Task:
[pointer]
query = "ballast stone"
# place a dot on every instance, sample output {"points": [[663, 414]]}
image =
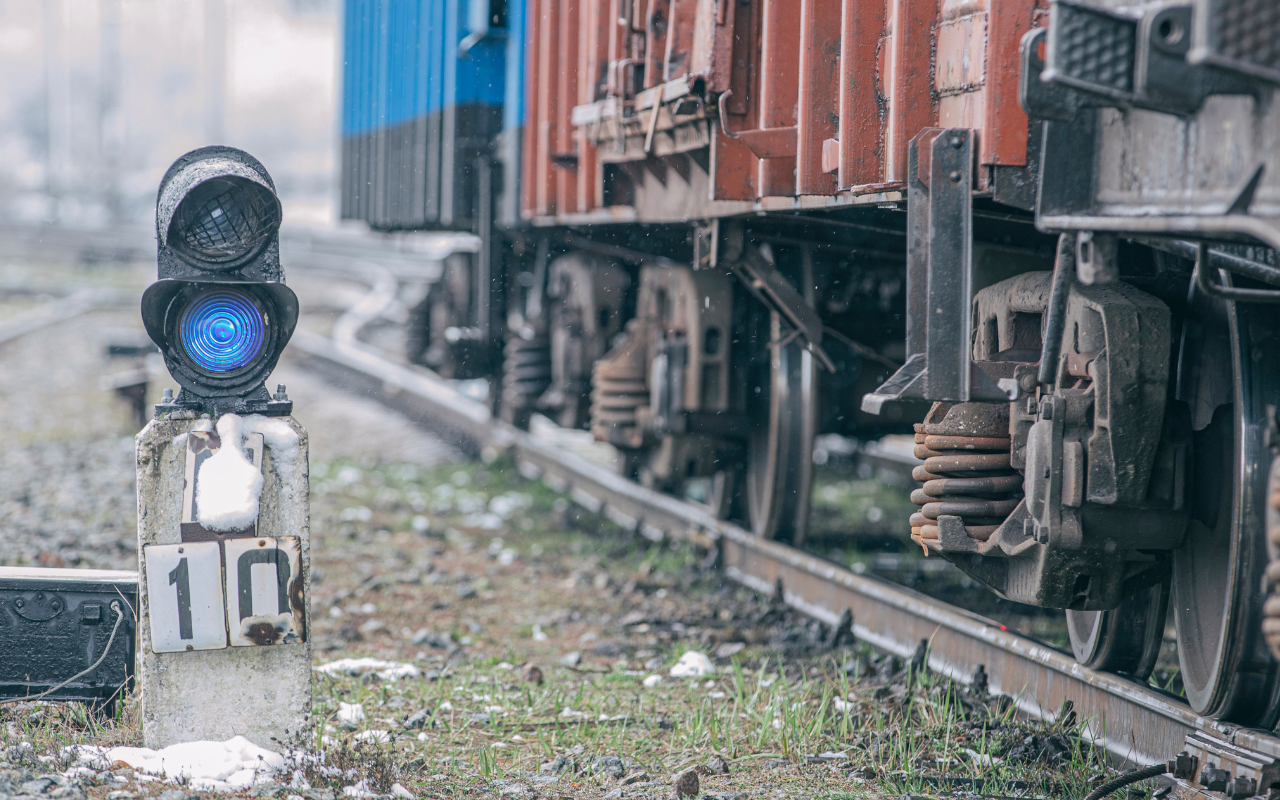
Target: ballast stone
{"points": [[260, 693]]}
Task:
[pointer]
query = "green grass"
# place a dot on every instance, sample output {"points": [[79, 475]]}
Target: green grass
{"points": [[771, 711]]}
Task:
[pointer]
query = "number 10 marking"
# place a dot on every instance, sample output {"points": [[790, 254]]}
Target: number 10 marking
{"points": [[194, 604]]}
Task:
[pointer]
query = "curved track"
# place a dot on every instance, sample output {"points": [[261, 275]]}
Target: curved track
{"points": [[1134, 722]]}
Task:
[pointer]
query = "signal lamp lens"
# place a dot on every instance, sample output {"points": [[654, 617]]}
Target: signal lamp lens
{"points": [[222, 330]]}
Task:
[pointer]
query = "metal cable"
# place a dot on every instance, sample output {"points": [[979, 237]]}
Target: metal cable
{"points": [[115, 606], [1126, 779]]}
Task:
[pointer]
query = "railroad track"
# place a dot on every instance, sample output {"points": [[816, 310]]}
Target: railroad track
{"points": [[1134, 722]]}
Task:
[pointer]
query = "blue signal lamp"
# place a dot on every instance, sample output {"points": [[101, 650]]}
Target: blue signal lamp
{"points": [[219, 311]]}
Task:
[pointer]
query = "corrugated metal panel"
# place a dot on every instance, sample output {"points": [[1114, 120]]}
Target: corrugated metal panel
{"points": [[423, 89], [511, 140], [823, 98]]}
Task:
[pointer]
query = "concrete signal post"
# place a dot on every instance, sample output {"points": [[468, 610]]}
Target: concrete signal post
{"points": [[223, 511]]}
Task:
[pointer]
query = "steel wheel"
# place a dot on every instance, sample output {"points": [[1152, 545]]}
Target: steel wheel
{"points": [[1227, 670], [1125, 639], [780, 450]]}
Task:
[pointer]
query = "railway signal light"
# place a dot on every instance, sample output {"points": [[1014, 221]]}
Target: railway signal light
{"points": [[219, 311]]}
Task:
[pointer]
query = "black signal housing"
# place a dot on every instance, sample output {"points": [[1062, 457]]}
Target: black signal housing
{"points": [[220, 310]]}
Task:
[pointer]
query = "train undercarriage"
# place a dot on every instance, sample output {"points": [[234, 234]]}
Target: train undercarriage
{"points": [[1130, 478], [1078, 329]]}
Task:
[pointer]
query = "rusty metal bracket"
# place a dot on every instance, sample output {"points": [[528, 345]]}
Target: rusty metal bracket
{"points": [[939, 365], [771, 142], [763, 142], [1221, 764], [653, 124]]}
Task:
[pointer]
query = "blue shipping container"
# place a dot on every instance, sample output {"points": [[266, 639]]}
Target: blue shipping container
{"points": [[424, 82]]}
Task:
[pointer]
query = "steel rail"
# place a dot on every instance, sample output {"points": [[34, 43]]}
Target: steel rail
{"points": [[1134, 722]]}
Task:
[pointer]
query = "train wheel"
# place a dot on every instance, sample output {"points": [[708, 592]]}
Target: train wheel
{"points": [[1227, 669], [780, 449], [1125, 639]]}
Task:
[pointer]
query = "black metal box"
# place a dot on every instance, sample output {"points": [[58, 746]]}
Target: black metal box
{"points": [[56, 623]]}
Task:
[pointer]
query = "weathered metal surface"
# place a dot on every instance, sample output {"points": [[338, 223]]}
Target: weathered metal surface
{"points": [[593, 67], [54, 623], [565, 154], [983, 503], [945, 167], [779, 91], [819, 75], [423, 95], [1151, 139], [790, 104], [266, 603], [544, 103], [201, 445], [861, 157], [910, 92], [1004, 123]]}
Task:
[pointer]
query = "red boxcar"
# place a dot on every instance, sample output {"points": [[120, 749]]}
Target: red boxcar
{"points": [[663, 110]]}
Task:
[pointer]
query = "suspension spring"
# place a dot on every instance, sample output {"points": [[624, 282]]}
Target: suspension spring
{"points": [[1271, 608], [526, 374], [966, 473], [617, 390]]}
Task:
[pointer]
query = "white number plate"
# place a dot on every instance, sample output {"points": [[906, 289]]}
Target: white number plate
{"points": [[264, 591], [184, 587]]}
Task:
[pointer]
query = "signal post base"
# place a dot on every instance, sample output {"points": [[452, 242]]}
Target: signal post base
{"points": [[264, 692]]}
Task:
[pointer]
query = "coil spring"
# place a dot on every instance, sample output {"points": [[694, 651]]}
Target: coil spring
{"points": [[617, 391], [1271, 608], [526, 374], [964, 476]]}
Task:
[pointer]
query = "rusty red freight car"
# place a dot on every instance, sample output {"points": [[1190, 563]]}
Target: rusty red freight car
{"points": [[678, 109], [1035, 235]]}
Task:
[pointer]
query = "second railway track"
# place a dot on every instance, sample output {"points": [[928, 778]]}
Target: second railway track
{"points": [[1134, 722]]}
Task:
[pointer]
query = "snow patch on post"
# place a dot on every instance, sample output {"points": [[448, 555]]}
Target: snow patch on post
{"points": [[230, 485]]}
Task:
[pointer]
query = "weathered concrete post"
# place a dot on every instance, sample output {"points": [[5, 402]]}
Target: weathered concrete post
{"points": [[223, 528], [208, 682]]}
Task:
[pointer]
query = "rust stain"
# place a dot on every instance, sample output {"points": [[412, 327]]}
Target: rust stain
{"points": [[269, 629], [298, 604], [199, 441], [297, 600], [262, 633]]}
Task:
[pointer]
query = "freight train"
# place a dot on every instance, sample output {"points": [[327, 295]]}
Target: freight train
{"points": [[1038, 235]]}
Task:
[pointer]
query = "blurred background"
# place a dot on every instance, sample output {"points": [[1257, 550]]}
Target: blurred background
{"points": [[98, 97]]}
